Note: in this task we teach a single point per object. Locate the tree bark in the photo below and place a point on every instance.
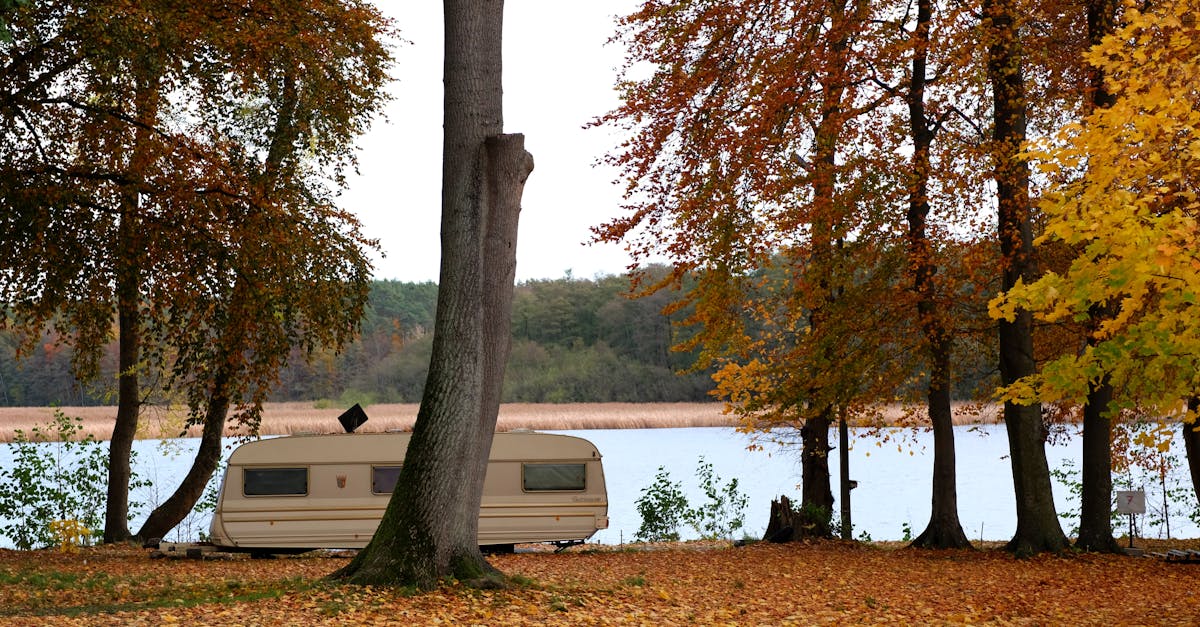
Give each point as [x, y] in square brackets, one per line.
[128, 276]
[231, 340]
[120, 445]
[1096, 505]
[429, 531]
[845, 485]
[1095, 515]
[815, 489]
[1191, 443]
[783, 522]
[944, 529]
[167, 515]
[1038, 528]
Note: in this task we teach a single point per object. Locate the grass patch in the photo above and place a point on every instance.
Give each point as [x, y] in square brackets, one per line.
[521, 581]
[637, 581]
[74, 594]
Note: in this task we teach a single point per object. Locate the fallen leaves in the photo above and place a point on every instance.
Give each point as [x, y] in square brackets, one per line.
[797, 584]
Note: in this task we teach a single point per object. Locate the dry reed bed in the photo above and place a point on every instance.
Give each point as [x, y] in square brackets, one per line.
[305, 417]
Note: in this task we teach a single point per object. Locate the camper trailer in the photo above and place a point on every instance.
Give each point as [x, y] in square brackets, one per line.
[299, 493]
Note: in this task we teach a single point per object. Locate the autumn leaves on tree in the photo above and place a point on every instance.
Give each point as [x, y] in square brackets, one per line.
[170, 167]
[827, 171]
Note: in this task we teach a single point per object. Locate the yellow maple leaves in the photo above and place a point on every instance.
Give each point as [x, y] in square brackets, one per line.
[1122, 191]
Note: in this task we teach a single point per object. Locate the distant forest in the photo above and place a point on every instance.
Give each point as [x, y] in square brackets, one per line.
[574, 340]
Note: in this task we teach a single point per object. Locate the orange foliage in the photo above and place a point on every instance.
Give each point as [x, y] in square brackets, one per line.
[826, 583]
[765, 154]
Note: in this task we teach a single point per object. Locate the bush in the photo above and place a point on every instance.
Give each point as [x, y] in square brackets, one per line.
[55, 476]
[663, 507]
[725, 510]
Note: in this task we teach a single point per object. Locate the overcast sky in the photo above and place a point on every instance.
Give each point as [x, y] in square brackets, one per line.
[558, 75]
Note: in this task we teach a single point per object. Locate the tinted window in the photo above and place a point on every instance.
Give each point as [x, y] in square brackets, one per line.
[383, 479]
[543, 477]
[274, 481]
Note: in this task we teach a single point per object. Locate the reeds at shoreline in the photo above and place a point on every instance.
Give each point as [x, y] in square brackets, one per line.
[307, 417]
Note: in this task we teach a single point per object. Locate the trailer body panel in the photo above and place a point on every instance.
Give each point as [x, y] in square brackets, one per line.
[330, 491]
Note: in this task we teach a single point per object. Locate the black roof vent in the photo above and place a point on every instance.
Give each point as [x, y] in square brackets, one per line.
[353, 418]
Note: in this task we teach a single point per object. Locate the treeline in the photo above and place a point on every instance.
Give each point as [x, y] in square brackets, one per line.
[574, 340]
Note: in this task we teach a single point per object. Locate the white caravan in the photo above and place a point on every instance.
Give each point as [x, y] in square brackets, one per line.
[305, 492]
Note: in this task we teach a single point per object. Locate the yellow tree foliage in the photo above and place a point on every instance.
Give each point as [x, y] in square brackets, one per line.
[1123, 193]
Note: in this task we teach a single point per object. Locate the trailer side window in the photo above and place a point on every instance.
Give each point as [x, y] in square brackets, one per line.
[383, 479]
[275, 481]
[548, 477]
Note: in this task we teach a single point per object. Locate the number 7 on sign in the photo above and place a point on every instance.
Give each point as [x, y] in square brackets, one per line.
[1131, 502]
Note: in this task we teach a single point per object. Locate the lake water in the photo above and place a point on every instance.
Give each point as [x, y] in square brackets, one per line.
[893, 476]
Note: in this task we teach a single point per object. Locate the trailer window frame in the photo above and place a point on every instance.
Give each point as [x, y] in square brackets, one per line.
[388, 469]
[562, 477]
[272, 481]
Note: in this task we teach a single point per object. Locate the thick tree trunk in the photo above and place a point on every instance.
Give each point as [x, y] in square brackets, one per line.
[815, 490]
[120, 445]
[1191, 444]
[944, 529]
[1095, 516]
[231, 339]
[430, 528]
[128, 278]
[166, 516]
[1038, 528]
[429, 531]
[1096, 506]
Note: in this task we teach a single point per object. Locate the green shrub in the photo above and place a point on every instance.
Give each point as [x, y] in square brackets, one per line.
[55, 475]
[724, 511]
[663, 508]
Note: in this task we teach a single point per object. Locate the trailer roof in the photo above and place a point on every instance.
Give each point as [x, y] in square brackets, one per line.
[389, 448]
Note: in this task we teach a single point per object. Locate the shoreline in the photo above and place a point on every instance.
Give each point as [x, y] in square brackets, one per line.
[311, 417]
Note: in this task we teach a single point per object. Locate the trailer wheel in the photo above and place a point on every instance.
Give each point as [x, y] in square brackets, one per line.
[497, 549]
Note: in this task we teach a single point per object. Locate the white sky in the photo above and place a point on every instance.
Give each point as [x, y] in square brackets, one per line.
[558, 75]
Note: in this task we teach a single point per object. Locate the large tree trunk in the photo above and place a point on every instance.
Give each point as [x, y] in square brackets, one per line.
[1191, 443]
[816, 492]
[120, 445]
[429, 531]
[815, 489]
[231, 340]
[1038, 528]
[1095, 516]
[127, 273]
[166, 516]
[944, 529]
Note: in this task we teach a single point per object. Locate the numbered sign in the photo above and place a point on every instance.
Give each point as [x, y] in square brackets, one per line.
[1131, 502]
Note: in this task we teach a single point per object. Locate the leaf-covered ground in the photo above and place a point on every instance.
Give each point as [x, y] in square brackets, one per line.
[798, 584]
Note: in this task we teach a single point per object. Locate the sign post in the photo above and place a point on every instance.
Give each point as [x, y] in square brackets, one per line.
[1131, 502]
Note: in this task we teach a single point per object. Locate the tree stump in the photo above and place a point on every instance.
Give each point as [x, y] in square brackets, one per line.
[788, 523]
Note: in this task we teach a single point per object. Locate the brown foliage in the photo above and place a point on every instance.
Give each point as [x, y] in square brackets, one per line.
[796, 584]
